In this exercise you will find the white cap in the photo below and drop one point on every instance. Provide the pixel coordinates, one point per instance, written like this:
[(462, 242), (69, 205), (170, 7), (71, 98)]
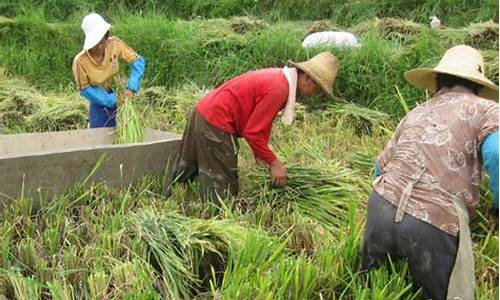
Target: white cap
[(94, 27)]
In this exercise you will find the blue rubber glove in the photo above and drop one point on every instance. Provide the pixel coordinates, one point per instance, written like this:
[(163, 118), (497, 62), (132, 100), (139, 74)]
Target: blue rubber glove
[(99, 96), (489, 151), (136, 73), (376, 170)]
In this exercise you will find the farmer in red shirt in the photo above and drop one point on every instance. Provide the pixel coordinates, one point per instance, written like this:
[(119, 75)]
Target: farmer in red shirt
[(246, 107)]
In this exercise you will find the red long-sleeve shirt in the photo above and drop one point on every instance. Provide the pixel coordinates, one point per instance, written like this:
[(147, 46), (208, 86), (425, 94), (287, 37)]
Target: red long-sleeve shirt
[(246, 106)]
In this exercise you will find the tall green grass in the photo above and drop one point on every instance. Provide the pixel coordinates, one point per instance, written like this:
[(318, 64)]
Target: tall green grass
[(209, 52), (343, 12)]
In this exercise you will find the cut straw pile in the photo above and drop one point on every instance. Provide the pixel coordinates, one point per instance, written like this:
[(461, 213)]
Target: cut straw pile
[(23, 108), (364, 120), (243, 25), (321, 25), (320, 194)]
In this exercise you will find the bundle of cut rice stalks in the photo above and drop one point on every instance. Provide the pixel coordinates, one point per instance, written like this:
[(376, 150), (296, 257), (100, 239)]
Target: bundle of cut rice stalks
[(363, 119), (389, 27), (243, 25), (321, 25), (58, 117), (17, 101), (479, 35), (363, 161), (491, 64), (129, 124), (321, 194)]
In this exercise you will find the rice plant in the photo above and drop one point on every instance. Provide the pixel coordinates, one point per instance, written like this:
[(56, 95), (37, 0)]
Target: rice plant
[(185, 250)]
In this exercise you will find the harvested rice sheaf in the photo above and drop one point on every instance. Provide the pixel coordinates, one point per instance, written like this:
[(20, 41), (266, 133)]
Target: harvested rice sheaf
[(58, 117), (478, 35), (388, 27), (491, 64), (243, 25), (362, 119), (483, 32), (321, 25), (129, 128), (129, 122), (322, 194)]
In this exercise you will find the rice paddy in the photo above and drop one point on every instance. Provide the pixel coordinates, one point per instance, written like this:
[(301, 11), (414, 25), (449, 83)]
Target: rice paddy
[(297, 242)]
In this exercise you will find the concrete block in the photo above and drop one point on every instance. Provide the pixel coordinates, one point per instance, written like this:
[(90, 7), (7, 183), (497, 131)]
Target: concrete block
[(46, 164)]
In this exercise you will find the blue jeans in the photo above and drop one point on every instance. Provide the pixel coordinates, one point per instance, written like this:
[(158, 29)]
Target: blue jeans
[(102, 116)]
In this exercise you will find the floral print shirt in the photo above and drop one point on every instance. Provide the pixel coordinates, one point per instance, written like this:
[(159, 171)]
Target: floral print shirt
[(441, 137)]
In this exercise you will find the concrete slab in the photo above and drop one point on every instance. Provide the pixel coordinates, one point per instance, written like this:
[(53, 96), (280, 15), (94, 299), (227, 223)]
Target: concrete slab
[(46, 164)]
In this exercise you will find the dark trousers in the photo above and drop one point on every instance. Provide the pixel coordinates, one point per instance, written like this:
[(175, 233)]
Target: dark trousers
[(210, 154), (430, 252)]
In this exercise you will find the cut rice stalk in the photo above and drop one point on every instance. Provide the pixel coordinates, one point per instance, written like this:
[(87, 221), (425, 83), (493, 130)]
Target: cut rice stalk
[(129, 128)]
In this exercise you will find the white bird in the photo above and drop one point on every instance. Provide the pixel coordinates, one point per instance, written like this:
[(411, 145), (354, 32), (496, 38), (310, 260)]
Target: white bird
[(435, 22)]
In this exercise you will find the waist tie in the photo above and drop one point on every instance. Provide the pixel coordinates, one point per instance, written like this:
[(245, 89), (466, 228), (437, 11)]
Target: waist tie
[(405, 196)]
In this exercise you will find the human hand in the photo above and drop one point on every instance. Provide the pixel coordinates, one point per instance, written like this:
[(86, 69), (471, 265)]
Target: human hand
[(278, 173), (129, 94)]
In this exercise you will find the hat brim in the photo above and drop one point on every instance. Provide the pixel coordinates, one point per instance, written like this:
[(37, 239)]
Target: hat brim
[(426, 78), (314, 77), (94, 37)]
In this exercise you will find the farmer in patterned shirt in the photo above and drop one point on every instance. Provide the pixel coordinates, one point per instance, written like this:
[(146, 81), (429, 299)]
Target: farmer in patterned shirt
[(429, 173)]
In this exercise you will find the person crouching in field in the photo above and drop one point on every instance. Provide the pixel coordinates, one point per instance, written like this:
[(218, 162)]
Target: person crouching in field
[(429, 174), (96, 66), (245, 107)]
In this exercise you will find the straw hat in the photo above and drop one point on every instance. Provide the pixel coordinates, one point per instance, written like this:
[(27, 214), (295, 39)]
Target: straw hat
[(322, 68), (94, 27), (461, 61)]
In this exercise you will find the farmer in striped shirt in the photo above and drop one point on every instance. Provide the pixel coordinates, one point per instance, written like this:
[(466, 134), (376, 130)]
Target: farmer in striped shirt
[(429, 173), (96, 66), (246, 107)]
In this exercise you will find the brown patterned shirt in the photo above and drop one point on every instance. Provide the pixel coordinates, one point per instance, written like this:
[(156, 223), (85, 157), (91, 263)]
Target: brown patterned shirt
[(443, 137)]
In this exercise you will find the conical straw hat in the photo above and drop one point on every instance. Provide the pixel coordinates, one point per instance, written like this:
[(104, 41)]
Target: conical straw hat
[(322, 68), (461, 61)]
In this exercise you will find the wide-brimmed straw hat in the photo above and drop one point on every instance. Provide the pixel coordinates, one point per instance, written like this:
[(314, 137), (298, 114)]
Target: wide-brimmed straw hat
[(322, 68), (94, 27), (460, 61)]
